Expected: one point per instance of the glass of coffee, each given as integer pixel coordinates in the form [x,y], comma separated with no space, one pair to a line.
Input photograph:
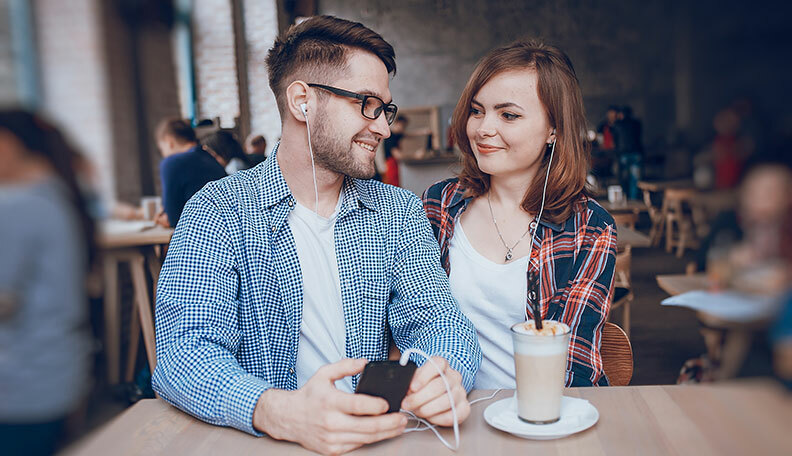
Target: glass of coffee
[152,206]
[540,359]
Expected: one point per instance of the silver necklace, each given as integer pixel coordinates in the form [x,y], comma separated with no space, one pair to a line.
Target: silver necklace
[509,250]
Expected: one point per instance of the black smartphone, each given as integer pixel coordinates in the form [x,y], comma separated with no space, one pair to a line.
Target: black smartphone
[388,380]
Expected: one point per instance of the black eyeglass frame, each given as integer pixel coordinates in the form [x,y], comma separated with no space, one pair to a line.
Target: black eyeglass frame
[363,99]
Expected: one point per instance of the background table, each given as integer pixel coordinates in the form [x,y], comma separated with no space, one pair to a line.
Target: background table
[631,206]
[133,242]
[675,284]
[628,236]
[738,418]
[728,342]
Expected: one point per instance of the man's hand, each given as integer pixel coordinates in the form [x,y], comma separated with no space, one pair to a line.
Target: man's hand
[323,419]
[427,396]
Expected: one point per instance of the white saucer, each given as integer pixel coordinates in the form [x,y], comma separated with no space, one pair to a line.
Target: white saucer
[576,415]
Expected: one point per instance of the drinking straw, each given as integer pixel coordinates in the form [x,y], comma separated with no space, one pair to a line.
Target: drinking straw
[533,286]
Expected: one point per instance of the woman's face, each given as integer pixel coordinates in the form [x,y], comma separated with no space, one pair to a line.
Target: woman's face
[508,128]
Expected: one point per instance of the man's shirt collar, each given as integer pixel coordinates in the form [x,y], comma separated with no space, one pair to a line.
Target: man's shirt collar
[356,193]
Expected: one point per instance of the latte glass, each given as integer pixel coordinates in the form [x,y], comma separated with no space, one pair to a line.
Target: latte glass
[540,359]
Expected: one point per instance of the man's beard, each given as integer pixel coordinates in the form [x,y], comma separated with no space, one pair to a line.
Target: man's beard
[335,153]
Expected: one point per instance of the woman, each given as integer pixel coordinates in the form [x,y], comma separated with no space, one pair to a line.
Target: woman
[46,239]
[520,126]
[222,145]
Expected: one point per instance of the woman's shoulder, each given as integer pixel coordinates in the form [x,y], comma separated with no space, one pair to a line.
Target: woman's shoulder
[594,215]
[442,190]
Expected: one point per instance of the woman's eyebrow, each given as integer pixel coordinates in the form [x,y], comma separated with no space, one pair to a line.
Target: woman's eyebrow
[507,105]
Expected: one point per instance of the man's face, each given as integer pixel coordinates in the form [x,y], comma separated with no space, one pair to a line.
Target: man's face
[343,140]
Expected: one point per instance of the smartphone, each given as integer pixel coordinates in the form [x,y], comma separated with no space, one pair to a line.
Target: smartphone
[388,380]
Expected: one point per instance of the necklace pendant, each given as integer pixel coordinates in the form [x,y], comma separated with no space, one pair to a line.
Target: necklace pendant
[508,255]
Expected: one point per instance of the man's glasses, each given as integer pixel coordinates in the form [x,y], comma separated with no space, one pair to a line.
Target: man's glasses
[371,107]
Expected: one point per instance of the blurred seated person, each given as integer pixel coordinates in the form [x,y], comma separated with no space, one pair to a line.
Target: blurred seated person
[393,152]
[186,167]
[256,148]
[750,237]
[46,239]
[222,145]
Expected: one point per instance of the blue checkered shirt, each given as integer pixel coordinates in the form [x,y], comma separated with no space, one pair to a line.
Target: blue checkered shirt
[229,298]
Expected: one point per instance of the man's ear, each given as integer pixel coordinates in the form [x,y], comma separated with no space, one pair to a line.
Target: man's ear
[297,94]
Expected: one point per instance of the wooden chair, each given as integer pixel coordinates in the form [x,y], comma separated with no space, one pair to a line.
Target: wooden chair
[656,214]
[617,355]
[622,287]
[678,220]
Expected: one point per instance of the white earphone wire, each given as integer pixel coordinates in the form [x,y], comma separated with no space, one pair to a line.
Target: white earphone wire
[403,361]
[539,217]
[313,166]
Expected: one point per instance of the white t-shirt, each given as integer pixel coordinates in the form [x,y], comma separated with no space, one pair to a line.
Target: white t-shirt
[492,296]
[323,331]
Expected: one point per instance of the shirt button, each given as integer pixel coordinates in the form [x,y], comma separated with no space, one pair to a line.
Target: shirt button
[291,370]
[291,203]
[274,229]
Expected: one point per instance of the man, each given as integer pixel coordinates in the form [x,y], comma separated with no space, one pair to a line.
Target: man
[256,148]
[627,132]
[185,170]
[278,288]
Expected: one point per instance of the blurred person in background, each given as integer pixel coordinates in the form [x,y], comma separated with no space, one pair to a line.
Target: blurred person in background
[629,149]
[256,148]
[46,240]
[222,145]
[607,141]
[750,237]
[186,167]
[518,125]
[393,153]
[728,155]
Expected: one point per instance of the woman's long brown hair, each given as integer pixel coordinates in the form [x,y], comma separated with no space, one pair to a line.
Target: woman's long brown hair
[559,93]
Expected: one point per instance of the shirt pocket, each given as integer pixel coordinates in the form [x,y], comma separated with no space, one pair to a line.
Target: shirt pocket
[375,299]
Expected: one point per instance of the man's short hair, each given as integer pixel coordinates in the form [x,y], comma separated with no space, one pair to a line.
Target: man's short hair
[178,129]
[316,51]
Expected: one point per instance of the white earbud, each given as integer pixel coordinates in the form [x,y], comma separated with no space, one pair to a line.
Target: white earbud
[304,108]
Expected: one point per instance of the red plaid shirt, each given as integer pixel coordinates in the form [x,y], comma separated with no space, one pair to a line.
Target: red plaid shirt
[576,281]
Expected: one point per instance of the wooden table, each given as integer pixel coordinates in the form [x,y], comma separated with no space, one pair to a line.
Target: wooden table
[628,236]
[661,185]
[727,341]
[728,418]
[675,284]
[628,206]
[133,242]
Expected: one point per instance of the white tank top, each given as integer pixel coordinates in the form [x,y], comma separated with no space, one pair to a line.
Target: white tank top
[492,296]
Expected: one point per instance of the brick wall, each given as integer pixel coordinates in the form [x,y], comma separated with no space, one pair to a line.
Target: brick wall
[8,90]
[616,47]
[74,79]
[214,61]
[261,28]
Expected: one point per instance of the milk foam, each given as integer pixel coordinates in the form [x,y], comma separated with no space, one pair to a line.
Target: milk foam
[549,328]
[550,341]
